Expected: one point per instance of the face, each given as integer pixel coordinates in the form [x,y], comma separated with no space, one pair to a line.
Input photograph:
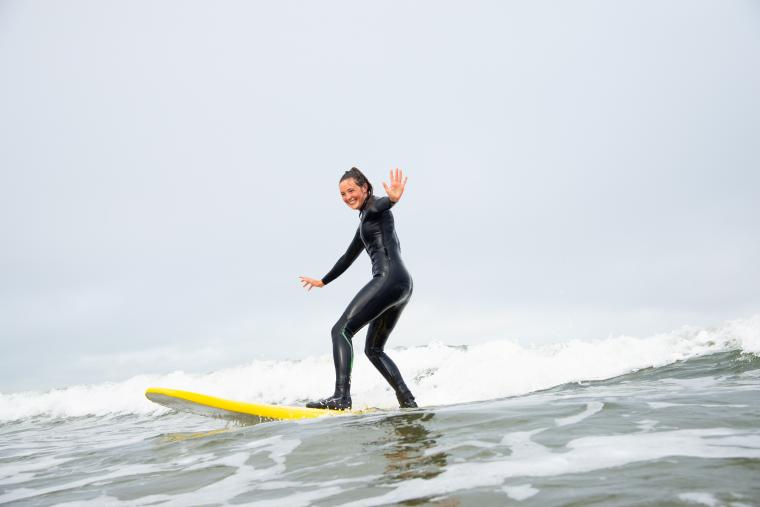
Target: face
[352,194]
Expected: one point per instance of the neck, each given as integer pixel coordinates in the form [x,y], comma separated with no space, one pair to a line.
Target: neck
[366,201]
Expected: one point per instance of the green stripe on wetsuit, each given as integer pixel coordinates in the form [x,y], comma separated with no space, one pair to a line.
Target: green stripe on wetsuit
[351,345]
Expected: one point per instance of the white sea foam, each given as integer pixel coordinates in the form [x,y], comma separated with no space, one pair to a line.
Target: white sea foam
[591,409]
[521,492]
[438,374]
[124,470]
[700,498]
[243,476]
[586,454]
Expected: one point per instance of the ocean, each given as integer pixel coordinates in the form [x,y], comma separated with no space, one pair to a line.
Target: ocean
[670,419]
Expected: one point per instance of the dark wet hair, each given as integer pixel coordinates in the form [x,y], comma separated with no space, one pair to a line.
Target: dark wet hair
[359,178]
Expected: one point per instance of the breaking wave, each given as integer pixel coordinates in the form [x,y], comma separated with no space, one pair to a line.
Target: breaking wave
[438,374]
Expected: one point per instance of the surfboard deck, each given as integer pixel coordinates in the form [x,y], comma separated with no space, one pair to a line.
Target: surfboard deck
[237,411]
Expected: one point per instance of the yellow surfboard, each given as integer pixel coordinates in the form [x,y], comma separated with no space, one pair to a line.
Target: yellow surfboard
[238,411]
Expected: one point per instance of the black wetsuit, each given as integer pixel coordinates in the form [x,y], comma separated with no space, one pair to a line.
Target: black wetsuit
[379,303]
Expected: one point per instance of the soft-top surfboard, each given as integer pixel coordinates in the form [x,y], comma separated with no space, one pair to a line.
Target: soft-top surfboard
[239,411]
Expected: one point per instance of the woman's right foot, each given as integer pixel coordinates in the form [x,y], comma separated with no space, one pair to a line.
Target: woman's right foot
[406,400]
[332,403]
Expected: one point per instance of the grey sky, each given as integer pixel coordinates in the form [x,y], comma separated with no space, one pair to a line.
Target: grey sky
[168,169]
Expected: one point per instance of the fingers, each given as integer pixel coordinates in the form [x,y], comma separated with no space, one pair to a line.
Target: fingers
[310,283]
[396,176]
[306,282]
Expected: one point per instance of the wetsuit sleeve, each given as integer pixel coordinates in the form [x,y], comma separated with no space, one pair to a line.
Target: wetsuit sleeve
[354,249]
[381,204]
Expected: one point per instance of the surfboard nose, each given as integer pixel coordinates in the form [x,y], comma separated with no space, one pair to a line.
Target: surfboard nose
[211,406]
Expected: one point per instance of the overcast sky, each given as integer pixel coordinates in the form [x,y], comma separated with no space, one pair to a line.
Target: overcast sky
[168,169]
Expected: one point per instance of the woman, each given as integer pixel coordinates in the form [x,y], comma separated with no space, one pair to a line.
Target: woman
[381,301]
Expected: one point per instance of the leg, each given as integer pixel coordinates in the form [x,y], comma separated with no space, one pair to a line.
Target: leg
[343,354]
[363,308]
[379,331]
[366,307]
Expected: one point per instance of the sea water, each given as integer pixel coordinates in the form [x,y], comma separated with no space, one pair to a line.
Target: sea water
[672,419]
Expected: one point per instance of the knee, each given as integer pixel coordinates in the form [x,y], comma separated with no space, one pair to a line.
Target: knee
[372,352]
[336,331]
[340,331]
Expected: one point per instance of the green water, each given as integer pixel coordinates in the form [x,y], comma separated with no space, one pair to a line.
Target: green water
[684,434]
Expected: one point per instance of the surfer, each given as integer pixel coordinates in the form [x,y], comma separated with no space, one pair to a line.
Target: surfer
[381,301]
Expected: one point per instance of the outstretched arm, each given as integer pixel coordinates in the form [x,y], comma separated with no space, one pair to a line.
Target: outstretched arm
[348,258]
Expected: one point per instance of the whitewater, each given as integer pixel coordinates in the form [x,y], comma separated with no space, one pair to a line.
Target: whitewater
[665,419]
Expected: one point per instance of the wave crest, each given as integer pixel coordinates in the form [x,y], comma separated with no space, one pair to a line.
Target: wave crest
[438,374]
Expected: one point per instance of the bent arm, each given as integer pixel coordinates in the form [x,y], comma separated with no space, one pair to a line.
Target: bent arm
[348,258]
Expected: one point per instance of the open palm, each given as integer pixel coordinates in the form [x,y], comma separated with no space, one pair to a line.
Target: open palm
[396,188]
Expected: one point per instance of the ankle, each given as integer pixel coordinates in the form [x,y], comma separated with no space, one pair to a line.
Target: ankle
[342,389]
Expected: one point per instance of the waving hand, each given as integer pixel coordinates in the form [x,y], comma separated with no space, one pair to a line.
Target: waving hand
[396,188]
